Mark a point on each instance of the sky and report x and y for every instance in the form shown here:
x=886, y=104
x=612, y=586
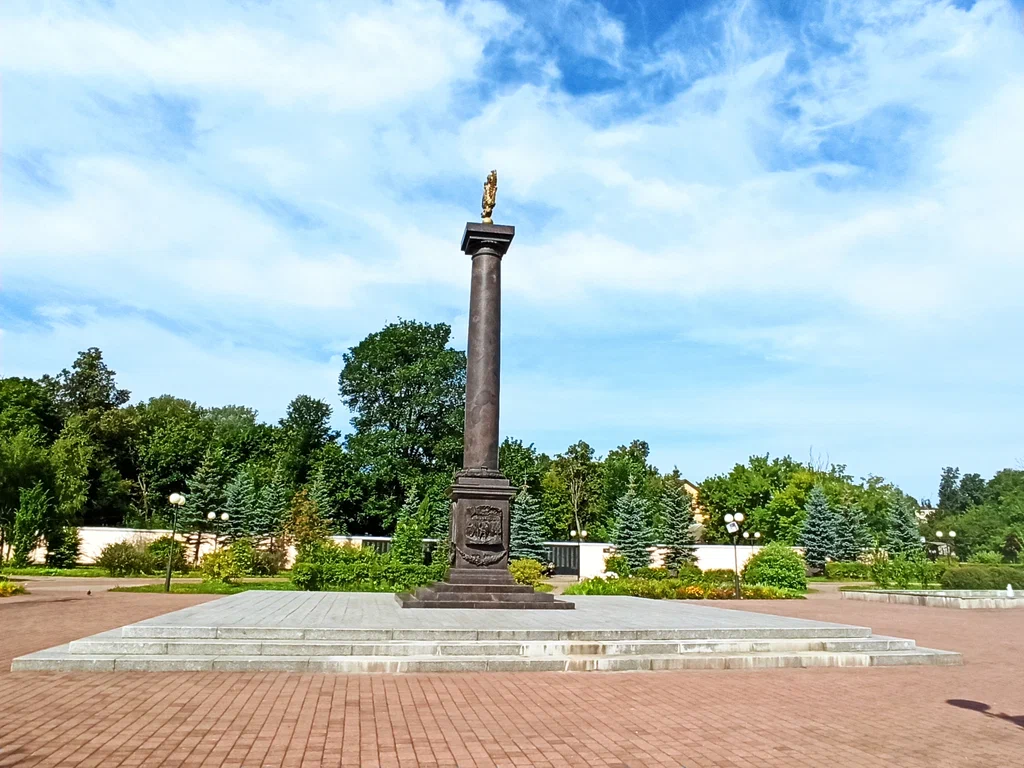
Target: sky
x=741, y=227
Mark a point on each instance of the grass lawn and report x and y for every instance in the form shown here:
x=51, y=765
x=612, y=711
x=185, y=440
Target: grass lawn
x=212, y=587
x=42, y=570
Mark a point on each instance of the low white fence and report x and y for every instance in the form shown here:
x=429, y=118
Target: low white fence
x=592, y=555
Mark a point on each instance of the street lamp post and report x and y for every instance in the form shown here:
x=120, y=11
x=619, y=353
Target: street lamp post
x=176, y=500
x=949, y=547
x=732, y=525
x=212, y=516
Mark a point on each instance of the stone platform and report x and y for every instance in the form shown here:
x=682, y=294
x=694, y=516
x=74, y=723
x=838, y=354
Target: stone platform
x=361, y=632
x=490, y=588
x=967, y=599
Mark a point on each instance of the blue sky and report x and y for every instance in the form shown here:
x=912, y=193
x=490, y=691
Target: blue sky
x=742, y=227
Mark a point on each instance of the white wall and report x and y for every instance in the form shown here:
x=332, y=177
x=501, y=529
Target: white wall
x=592, y=557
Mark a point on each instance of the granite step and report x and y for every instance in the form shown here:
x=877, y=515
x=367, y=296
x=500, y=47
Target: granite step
x=59, y=660
x=118, y=646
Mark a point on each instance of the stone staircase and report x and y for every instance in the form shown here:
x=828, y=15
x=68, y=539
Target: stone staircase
x=163, y=648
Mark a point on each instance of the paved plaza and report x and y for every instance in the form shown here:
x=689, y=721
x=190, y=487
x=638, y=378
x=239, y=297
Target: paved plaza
x=917, y=716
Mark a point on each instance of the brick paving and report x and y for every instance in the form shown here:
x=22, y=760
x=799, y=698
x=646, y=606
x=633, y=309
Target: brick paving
x=746, y=719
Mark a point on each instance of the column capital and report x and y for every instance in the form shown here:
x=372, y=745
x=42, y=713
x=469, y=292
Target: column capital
x=497, y=237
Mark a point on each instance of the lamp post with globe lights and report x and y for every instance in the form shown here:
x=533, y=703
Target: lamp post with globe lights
x=732, y=525
x=950, y=538
x=212, y=517
x=176, y=500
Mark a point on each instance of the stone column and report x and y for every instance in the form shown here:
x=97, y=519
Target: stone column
x=481, y=494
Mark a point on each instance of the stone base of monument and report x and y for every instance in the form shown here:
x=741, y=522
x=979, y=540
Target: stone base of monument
x=480, y=588
x=333, y=632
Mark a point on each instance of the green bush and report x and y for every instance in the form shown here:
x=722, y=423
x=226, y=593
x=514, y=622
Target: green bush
x=330, y=567
x=618, y=565
x=8, y=588
x=986, y=557
x=927, y=572
x=527, y=571
x=126, y=558
x=777, y=565
x=718, y=576
x=161, y=548
x=674, y=589
x=222, y=565
x=880, y=571
x=268, y=562
x=901, y=571
x=847, y=571
x=983, y=577
x=63, y=548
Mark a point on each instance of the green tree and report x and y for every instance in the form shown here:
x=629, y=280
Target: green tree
x=853, y=537
x=71, y=456
x=406, y=390
x=521, y=463
x=241, y=501
x=904, y=537
x=632, y=536
x=304, y=431
x=272, y=509
x=337, y=487
x=677, y=514
x=306, y=525
x=30, y=522
x=26, y=404
x=527, y=537
x=88, y=385
x=575, y=488
x=207, y=496
x=972, y=490
x=950, y=501
x=623, y=465
x=23, y=464
x=747, y=488
x=407, y=541
x=821, y=530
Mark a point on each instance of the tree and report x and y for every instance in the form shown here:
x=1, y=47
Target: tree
x=337, y=488
x=677, y=515
x=853, y=534
x=521, y=463
x=27, y=404
x=240, y=503
x=23, y=464
x=71, y=456
x=527, y=537
x=407, y=541
x=207, y=495
x=904, y=537
x=632, y=536
x=306, y=525
x=972, y=490
x=320, y=492
x=578, y=476
x=29, y=523
x=623, y=465
x=821, y=530
x=950, y=502
x=406, y=390
x=88, y=385
x=304, y=431
x=271, y=509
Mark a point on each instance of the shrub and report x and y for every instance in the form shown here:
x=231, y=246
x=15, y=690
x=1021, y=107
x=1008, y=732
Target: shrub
x=618, y=565
x=527, y=571
x=690, y=592
x=656, y=574
x=983, y=577
x=718, y=576
x=986, y=557
x=777, y=565
x=222, y=565
x=927, y=572
x=847, y=571
x=901, y=571
x=334, y=567
x=8, y=588
x=764, y=592
x=162, y=547
x=268, y=562
x=126, y=558
x=674, y=589
x=63, y=548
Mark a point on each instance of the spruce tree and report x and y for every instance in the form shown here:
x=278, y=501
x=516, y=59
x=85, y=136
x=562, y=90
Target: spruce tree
x=241, y=504
x=903, y=537
x=320, y=492
x=271, y=509
x=407, y=540
x=527, y=536
x=677, y=519
x=854, y=537
x=632, y=536
x=207, y=494
x=820, y=535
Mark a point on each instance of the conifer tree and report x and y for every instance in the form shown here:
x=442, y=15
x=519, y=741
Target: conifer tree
x=903, y=537
x=407, y=540
x=632, y=535
x=853, y=537
x=320, y=492
x=820, y=535
x=207, y=494
x=677, y=519
x=241, y=504
x=271, y=509
x=527, y=536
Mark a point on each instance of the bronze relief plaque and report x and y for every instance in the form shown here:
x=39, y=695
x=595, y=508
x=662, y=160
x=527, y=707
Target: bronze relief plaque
x=483, y=526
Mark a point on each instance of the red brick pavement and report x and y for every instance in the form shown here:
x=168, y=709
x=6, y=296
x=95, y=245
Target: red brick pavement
x=833, y=718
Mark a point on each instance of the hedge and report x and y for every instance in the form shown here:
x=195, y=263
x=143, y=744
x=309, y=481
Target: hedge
x=847, y=571
x=983, y=577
